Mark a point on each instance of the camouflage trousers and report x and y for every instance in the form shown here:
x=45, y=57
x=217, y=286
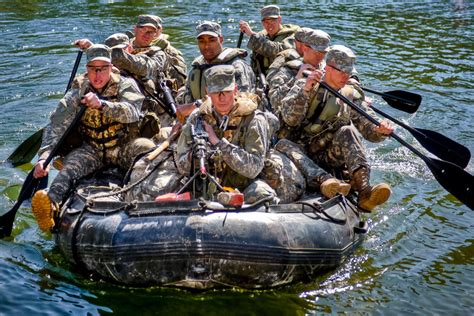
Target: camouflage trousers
x=314, y=174
x=87, y=159
x=162, y=176
x=344, y=151
x=165, y=178
x=283, y=176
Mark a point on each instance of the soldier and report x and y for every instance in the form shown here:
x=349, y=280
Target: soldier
x=177, y=68
x=275, y=38
x=107, y=128
x=327, y=128
x=145, y=63
x=210, y=40
x=311, y=48
x=285, y=71
x=237, y=131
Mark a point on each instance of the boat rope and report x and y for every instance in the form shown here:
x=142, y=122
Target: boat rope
x=320, y=209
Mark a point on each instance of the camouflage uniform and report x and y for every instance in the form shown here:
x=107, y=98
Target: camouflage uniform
x=108, y=135
x=282, y=79
x=282, y=73
x=161, y=174
x=195, y=85
x=327, y=127
x=264, y=47
x=147, y=65
x=244, y=139
x=177, y=68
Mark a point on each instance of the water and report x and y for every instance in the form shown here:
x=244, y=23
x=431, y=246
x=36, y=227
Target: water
x=419, y=253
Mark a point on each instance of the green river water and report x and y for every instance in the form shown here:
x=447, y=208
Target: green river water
x=418, y=256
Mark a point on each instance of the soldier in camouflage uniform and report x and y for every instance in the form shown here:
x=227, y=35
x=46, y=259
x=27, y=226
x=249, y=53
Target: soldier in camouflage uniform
x=107, y=128
x=210, y=39
x=275, y=38
x=177, y=69
x=311, y=48
x=284, y=73
x=327, y=128
x=237, y=131
x=141, y=60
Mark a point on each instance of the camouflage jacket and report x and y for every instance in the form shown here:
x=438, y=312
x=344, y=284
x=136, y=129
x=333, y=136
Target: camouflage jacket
x=177, y=69
x=244, y=76
x=241, y=152
x=298, y=111
x=143, y=64
x=265, y=49
x=126, y=110
x=281, y=76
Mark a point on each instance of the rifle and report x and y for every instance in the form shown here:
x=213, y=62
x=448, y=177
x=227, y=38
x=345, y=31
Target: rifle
x=264, y=85
x=200, y=150
x=167, y=96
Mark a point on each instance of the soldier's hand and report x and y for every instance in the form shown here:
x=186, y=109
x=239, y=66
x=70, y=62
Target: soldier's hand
x=212, y=135
x=312, y=77
x=384, y=128
x=245, y=28
x=304, y=70
x=83, y=43
x=91, y=100
x=183, y=111
x=40, y=171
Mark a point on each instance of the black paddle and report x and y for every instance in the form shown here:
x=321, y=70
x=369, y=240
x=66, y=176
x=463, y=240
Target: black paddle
x=451, y=177
x=401, y=100
x=31, y=184
x=436, y=143
x=29, y=147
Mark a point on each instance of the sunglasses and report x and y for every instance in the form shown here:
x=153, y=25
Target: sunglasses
x=97, y=69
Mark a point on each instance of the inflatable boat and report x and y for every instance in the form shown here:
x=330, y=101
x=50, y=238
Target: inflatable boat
x=201, y=245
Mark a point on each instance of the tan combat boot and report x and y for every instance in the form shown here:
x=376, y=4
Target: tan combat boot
x=369, y=196
x=43, y=210
x=332, y=186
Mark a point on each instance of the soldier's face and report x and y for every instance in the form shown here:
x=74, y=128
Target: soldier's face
x=144, y=35
x=312, y=57
x=210, y=46
x=98, y=72
x=335, y=78
x=272, y=25
x=223, y=101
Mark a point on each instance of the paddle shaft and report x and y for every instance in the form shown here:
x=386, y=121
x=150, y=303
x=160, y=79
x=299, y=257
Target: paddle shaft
x=239, y=41
x=74, y=70
x=461, y=185
x=152, y=155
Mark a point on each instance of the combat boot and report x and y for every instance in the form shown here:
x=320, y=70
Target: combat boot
x=44, y=210
x=332, y=186
x=369, y=196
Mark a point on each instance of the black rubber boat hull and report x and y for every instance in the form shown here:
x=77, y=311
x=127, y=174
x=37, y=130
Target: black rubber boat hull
x=186, y=244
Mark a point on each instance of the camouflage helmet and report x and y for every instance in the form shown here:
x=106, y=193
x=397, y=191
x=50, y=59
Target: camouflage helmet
x=270, y=11
x=341, y=58
x=220, y=78
x=98, y=52
x=208, y=28
x=316, y=39
x=120, y=40
x=149, y=20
